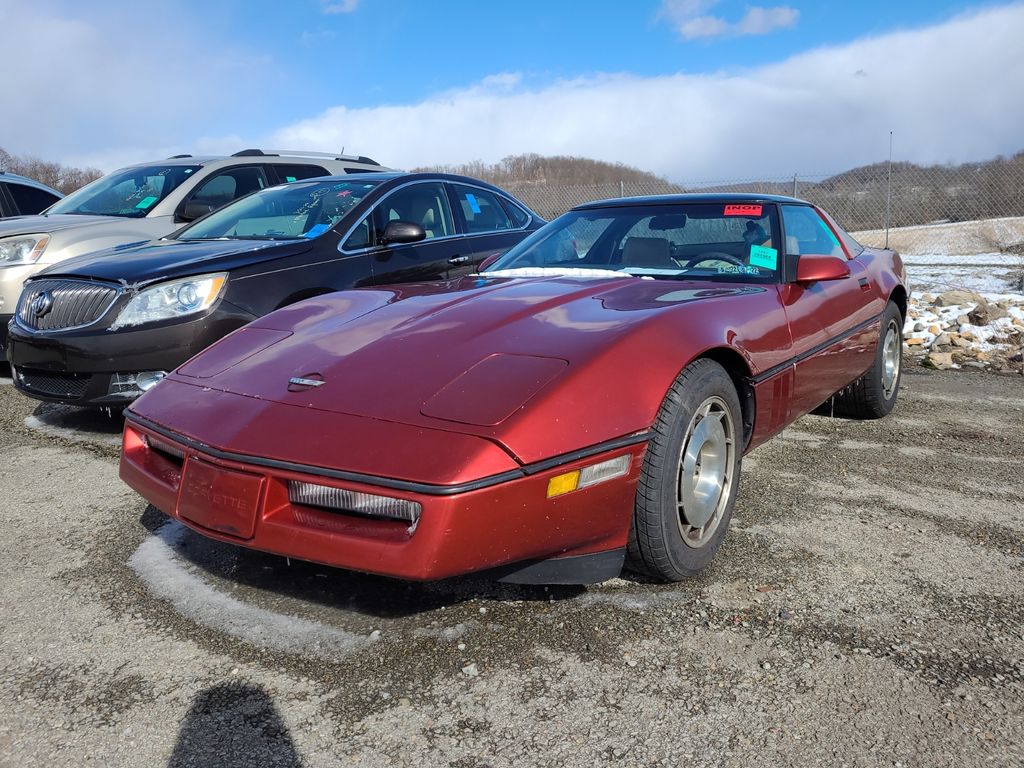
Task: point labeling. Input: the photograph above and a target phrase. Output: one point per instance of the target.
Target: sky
(693, 90)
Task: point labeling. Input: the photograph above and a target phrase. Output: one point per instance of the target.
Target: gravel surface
(866, 609)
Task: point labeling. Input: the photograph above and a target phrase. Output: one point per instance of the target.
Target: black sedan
(100, 329)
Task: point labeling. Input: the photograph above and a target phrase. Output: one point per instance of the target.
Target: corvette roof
(692, 197)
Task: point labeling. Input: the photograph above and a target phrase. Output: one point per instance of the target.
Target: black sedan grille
(53, 305)
(71, 386)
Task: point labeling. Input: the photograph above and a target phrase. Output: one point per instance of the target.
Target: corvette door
(834, 323)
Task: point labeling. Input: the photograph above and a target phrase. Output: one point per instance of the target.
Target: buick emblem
(41, 304)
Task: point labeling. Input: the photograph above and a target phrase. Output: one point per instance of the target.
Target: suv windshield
(299, 209)
(131, 193)
(728, 242)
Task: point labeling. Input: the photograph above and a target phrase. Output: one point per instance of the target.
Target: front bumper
(508, 524)
(4, 322)
(79, 367)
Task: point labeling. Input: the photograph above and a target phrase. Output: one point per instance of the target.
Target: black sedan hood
(163, 259)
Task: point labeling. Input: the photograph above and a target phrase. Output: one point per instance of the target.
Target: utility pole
(888, 195)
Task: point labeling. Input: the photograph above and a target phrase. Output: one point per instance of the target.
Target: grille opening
(70, 386)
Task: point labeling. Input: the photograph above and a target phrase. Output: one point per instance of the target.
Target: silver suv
(145, 202)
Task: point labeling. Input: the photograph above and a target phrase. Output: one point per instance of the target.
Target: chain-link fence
(956, 227)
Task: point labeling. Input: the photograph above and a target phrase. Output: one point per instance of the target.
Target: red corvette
(587, 398)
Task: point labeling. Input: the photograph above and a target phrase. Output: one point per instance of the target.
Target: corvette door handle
(458, 259)
(863, 282)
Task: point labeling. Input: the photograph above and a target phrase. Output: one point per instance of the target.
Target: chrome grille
(72, 304)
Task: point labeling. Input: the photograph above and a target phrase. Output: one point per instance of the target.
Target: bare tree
(63, 177)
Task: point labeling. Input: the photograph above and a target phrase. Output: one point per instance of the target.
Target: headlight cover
(21, 250)
(167, 301)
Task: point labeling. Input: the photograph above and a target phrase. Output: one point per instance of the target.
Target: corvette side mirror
(398, 231)
(812, 267)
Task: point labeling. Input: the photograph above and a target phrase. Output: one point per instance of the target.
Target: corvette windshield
(289, 211)
(130, 193)
(728, 242)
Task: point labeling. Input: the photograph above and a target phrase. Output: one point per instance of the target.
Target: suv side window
(221, 188)
(481, 210)
(30, 200)
(807, 232)
(298, 172)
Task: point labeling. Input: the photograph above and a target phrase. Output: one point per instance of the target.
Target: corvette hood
(160, 259)
(464, 356)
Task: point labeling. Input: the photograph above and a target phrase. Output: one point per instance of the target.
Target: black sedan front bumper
(96, 366)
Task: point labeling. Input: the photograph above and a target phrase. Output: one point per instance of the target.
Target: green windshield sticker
(146, 202)
(289, 178)
(761, 256)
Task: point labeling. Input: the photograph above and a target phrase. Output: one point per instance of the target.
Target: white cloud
(761, 21)
(338, 6)
(692, 21)
(88, 76)
(946, 91)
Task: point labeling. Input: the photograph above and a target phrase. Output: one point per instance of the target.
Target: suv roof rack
(287, 153)
(178, 157)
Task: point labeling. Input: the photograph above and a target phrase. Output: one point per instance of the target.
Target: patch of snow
(168, 578)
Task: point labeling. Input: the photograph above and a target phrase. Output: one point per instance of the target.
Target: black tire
(873, 395)
(657, 543)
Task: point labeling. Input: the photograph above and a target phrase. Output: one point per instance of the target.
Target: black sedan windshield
(130, 193)
(296, 210)
(705, 241)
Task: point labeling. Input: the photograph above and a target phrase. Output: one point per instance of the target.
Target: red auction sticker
(743, 210)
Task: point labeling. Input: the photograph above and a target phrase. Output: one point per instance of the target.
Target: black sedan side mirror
(397, 232)
(195, 209)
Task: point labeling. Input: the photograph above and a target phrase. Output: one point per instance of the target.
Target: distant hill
(921, 194)
(554, 171)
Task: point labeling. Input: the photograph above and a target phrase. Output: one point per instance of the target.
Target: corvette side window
(807, 232)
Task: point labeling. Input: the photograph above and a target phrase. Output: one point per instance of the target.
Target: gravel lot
(866, 609)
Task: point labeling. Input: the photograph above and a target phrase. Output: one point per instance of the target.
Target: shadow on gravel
(233, 725)
(82, 424)
(376, 596)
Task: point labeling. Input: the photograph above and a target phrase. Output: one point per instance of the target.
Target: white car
(146, 202)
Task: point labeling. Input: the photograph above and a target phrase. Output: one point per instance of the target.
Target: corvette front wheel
(690, 476)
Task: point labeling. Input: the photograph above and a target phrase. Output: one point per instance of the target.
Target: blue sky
(669, 85)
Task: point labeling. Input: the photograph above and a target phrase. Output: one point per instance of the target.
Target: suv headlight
(21, 250)
(177, 298)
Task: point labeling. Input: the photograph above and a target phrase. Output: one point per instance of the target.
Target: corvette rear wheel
(690, 476)
(873, 395)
